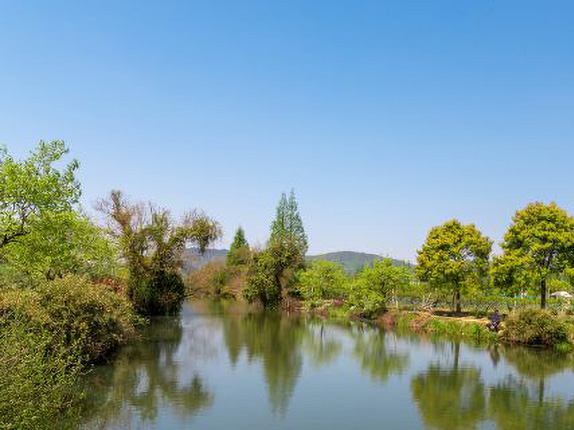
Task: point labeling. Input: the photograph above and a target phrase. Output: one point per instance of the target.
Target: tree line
(454, 261)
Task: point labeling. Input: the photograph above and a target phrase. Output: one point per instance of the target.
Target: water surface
(221, 366)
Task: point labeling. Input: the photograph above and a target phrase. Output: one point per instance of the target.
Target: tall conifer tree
(239, 249)
(288, 224)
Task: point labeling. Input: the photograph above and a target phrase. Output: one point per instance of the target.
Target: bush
(217, 280)
(38, 378)
(535, 327)
(87, 318)
(48, 335)
(162, 294)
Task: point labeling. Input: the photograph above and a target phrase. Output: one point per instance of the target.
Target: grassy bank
(526, 326)
(50, 335)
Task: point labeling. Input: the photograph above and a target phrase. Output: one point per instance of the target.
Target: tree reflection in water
(144, 378)
(375, 356)
(275, 341)
(450, 397)
(455, 397)
(155, 378)
(521, 403)
(320, 344)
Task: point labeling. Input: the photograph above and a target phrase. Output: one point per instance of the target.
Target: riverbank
(527, 327)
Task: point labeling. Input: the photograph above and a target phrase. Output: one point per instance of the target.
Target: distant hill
(193, 260)
(350, 261)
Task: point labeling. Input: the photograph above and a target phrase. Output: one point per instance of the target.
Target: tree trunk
(543, 293)
(458, 307)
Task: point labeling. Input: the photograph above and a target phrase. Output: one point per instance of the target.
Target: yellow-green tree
(322, 280)
(34, 187)
(377, 283)
(453, 256)
(538, 244)
(62, 243)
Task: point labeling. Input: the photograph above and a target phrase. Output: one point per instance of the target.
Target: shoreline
(469, 328)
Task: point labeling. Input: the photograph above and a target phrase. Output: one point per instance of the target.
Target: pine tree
(295, 225)
(288, 224)
(278, 228)
(239, 249)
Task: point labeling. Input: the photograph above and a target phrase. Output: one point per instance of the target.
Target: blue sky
(386, 117)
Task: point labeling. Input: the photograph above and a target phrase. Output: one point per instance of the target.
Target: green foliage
(159, 293)
(62, 243)
(454, 257)
(264, 281)
(152, 245)
(273, 271)
(538, 244)
(535, 327)
(288, 225)
(38, 378)
(323, 280)
(31, 188)
(558, 284)
(48, 334)
(88, 318)
(239, 250)
(377, 283)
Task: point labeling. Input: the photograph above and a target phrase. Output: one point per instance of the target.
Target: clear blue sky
(386, 117)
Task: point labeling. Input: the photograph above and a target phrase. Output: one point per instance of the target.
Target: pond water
(220, 366)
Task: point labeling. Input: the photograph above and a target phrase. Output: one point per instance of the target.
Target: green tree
(288, 224)
(538, 244)
(152, 243)
(453, 256)
(239, 250)
(62, 243)
(272, 272)
(377, 283)
(323, 280)
(33, 187)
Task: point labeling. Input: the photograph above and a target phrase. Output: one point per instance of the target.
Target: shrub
(89, 319)
(49, 333)
(38, 376)
(217, 280)
(161, 294)
(535, 327)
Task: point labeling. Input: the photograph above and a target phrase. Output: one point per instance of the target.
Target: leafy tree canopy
(376, 283)
(63, 243)
(32, 187)
(453, 255)
(538, 244)
(323, 280)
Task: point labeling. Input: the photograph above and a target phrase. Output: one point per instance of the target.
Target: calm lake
(219, 366)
